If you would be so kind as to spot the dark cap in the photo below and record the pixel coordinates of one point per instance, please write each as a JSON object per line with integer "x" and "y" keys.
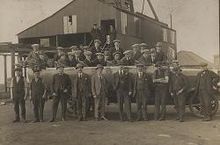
{"x": 99, "y": 66}
{"x": 79, "y": 65}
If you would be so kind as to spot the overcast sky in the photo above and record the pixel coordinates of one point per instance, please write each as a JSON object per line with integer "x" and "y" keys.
{"x": 196, "y": 21}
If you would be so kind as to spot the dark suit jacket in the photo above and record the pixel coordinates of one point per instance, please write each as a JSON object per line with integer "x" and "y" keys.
{"x": 178, "y": 82}
{"x": 60, "y": 83}
{"x": 148, "y": 84}
{"x": 127, "y": 78}
{"x": 211, "y": 80}
{"x": 86, "y": 83}
{"x": 127, "y": 62}
{"x": 145, "y": 61}
{"x": 96, "y": 85}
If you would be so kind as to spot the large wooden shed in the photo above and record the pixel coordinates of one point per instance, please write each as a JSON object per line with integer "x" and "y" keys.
{"x": 72, "y": 25}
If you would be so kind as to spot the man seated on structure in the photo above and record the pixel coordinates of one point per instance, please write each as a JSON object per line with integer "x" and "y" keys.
{"x": 88, "y": 62}
{"x": 145, "y": 58}
{"x": 95, "y": 32}
{"x": 100, "y": 59}
{"x": 63, "y": 59}
{"x": 160, "y": 56}
{"x": 60, "y": 50}
{"x": 116, "y": 60}
{"x": 117, "y": 47}
{"x": 127, "y": 60}
{"x": 96, "y": 48}
{"x": 136, "y": 51}
{"x": 33, "y": 57}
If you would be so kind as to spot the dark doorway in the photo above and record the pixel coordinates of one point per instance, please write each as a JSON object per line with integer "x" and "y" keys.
{"x": 108, "y": 28}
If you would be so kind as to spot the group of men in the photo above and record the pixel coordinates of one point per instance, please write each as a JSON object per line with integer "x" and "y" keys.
{"x": 141, "y": 86}
{"x": 108, "y": 54}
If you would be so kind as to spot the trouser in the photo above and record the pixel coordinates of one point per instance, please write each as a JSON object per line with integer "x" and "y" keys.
{"x": 82, "y": 106}
{"x": 141, "y": 100}
{"x": 180, "y": 103}
{"x": 124, "y": 99}
{"x": 160, "y": 101}
{"x": 63, "y": 99}
{"x": 205, "y": 100}
{"x": 38, "y": 104}
{"x": 19, "y": 102}
{"x": 100, "y": 105}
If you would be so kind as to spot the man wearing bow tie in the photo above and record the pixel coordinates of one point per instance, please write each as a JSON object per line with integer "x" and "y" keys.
{"x": 81, "y": 91}
{"x": 205, "y": 86}
{"x": 143, "y": 85}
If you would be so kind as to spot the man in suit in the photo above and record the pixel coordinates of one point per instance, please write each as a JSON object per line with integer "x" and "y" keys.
{"x": 159, "y": 54}
{"x": 205, "y": 86}
{"x": 100, "y": 59}
{"x": 60, "y": 51}
{"x": 88, "y": 60}
{"x": 143, "y": 85}
{"x": 61, "y": 88}
{"x": 136, "y": 51}
{"x": 99, "y": 91}
{"x": 95, "y": 32}
{"x": 145, "y": 58}
{"x": 38, "y": 95}
{"x": 81, "y": 91}
{"x": 116, "y": 47}
{"x": 123, "y": 88}
{"x": 178, "y": 88}
{"x": 96, "y": 48}
{"x": 127, "y": 60}
{"x": 160, "y": 79}
{"x": 19, "y": 94}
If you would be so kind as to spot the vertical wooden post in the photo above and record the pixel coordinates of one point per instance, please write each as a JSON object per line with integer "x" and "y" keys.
{"x": 57, "y": 43}
{"x": 12, "y": 62}
{"x": 5, "y": 72}
{"x": 84, "y": 39}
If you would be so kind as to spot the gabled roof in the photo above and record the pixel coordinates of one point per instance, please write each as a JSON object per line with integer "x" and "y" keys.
{"x": 189, "y": 58}
{"x": 48, "y": 17}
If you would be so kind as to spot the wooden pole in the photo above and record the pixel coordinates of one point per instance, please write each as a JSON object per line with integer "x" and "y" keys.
{"x": 143, "y": 4}
{"x": 5, "y": 72}
{"x": 12, "y": 62}
{"x": 171, "y": 21}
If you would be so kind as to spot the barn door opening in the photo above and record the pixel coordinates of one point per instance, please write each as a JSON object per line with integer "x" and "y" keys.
{"x": 108, "y": 29}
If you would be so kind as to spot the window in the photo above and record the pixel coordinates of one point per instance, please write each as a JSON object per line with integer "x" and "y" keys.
{"x": 137, "y": 26}
{"x": 45, "y": 42}
{"x": 70, "y": 24}
{"x": 169, "y": 35}
{"x": 124, "y": 23}
{"x": 164, "y": 34}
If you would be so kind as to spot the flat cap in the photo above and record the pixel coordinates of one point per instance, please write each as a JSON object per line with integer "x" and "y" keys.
{"x": 99, "y": 66}
{"x": 135, "y": 45}
{"x": 116, "y": 40}
{"x": 100, "y": 54}
{"x": 143, "y": 45}
{"x": 74, "y": 47}
{"x": 145, "y": 51}
{"x": 159, "y": 44}
{"x": 127, "y": 52}
{"x": 79, "y": 65}
{"x": 117, "y": 52}
{"x": 97, "y": 40}
{"x": 87, "y": 53}
{"x": 35, "y": 45}
{"x": 60, "y": 48}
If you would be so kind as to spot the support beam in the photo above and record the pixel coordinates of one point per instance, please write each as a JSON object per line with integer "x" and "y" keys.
{"x": 13, "y": 62}
{"x": 5, "y": 72}
{"x": 152, "y": 9}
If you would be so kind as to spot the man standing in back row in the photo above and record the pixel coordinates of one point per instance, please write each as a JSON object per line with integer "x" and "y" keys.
{"x": 205, "y": 86}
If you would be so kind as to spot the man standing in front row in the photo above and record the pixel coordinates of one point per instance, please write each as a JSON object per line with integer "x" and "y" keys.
{"x": 19, "y": 94}
{"x": 99, "y": 91}
{"x": 205, "y": 86}
{"x": 37, "y": 95}
{"x": 123, "y": 88}
{"x": 81, "y": 90}
{"x": 61, "y": 87}
{"x": 178, "y": 89}
{"x": 143, "y": 85}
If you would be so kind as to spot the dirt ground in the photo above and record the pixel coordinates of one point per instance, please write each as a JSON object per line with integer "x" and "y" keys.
{"x": 113, "y": 132}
